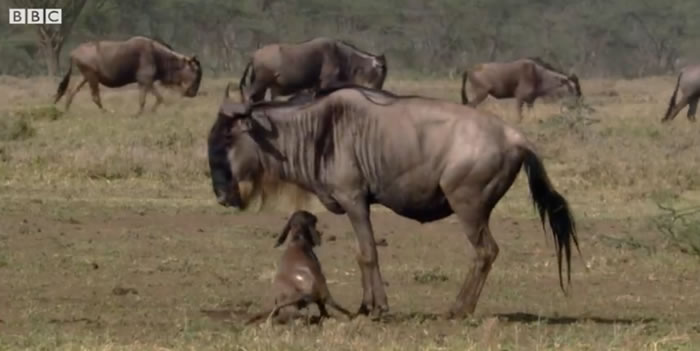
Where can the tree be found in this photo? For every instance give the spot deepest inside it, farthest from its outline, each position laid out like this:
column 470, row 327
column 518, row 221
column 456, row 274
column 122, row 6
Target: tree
column 53, row 36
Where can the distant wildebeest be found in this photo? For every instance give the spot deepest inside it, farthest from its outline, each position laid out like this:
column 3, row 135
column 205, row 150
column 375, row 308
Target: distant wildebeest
column 137, row 60
column 689, row 84
column 423, row 158
column 314, row 64
column 299, row 280
column 524, row 79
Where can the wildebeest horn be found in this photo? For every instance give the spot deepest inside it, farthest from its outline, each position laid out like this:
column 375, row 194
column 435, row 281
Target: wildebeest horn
column 226, row 92
column 231, row 109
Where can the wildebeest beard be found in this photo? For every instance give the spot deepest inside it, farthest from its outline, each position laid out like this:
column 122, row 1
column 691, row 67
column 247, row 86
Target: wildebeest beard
column 264, row 189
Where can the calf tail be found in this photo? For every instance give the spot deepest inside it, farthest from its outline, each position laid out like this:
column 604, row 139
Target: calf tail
column 63, row 86
column 672, row 102
column 550, row 203
column 257, row 317
column 465, row 76
column 241, row 83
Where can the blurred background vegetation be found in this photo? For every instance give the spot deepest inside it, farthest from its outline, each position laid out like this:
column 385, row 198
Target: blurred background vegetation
column 618, row 38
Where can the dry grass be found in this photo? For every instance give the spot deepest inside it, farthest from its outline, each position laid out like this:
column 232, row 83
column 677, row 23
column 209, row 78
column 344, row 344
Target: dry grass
column 131, row 196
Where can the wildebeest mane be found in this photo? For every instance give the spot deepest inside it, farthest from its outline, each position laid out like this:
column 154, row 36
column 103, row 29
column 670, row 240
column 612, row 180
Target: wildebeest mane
column 355, row 48
column 538, row 60
column 161, row 42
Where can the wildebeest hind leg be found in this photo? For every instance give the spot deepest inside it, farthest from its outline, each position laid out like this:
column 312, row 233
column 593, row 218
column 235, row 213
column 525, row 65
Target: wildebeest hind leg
column 692, row 107
column 95, row 91
column 71, row 94
column 677, row 109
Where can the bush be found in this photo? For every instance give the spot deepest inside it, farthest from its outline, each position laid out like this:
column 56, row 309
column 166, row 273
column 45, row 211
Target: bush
column 16, row 128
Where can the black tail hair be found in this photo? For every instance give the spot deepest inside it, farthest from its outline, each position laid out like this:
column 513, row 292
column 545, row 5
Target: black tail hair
column 465, row 99
column 63, row 86
column 550, row 203
column 672, row 102
column 241, row 83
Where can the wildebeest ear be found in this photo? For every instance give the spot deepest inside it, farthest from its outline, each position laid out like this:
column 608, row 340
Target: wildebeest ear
column 283, row 236
column 226, row 92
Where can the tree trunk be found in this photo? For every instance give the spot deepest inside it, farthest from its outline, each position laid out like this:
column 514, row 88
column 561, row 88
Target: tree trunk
column 51, row 55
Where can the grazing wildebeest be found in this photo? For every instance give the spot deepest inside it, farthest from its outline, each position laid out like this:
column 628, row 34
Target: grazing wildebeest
column 299, row 280
column 137, row 60
column 689, row 84
column 423, row 158
column 524, row 79
column 313, row 64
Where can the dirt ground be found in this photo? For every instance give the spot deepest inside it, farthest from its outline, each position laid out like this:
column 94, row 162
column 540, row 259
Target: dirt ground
column 101, row 253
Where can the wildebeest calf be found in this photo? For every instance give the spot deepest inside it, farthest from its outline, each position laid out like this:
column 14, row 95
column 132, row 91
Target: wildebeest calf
column 299, row 280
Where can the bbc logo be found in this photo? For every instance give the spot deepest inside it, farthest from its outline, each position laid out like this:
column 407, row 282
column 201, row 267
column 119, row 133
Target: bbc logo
column 36, row 16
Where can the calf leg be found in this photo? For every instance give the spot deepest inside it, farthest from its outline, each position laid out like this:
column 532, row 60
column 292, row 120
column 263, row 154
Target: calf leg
column 692, row 107
column 338, row 308
column 71, row 94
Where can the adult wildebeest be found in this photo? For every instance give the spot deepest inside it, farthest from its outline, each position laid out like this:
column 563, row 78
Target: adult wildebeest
column 299, row 280
column 689, row 84
column 423, row 158
column 313, row 64
column 524, row 79
column 137, row 60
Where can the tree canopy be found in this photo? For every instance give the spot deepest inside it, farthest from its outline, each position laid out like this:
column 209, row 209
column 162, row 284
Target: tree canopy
column 627, row 38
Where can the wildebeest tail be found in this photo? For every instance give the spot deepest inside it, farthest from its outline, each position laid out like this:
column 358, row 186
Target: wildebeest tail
column 465, row 75
column 241, row 83
column 672, row 102
column 551, row 204
column 63, row 86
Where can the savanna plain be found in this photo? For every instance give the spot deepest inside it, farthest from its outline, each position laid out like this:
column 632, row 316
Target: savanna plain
column 110, row 237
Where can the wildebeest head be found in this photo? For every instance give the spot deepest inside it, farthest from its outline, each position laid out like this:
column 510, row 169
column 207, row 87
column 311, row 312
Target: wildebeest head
column 574, row 85
column 190, row 75
column 182, row 73
column 302, row 224
column 233, row 152
column 369, row 71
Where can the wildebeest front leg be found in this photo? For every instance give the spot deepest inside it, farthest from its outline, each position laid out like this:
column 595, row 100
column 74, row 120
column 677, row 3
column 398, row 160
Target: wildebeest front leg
column 692, row 107
column 143, row 89
column 374, row 299
column 159, row 98
column 519, row 108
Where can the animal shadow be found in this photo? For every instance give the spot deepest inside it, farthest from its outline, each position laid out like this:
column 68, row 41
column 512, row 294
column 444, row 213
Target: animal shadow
column 523, row 317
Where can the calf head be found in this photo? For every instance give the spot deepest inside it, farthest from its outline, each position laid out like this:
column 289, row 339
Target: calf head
column 234, row 154
column 302, row 224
